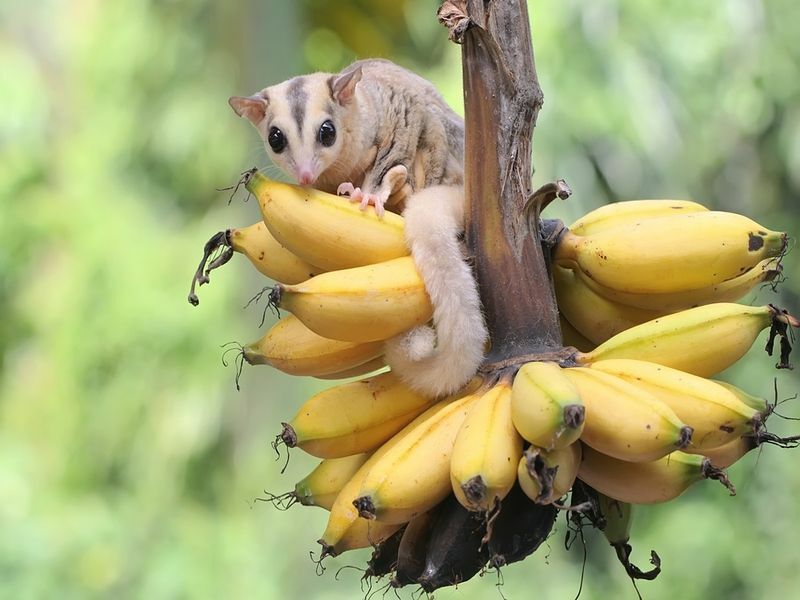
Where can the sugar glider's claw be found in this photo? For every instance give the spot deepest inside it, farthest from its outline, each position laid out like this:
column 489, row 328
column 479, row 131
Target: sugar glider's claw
column 345, row 189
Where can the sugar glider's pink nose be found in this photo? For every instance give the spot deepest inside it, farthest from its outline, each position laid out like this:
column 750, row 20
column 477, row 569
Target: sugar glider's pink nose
column 305, row 177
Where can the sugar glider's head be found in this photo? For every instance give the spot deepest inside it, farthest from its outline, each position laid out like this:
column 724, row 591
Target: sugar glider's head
column 302, row 120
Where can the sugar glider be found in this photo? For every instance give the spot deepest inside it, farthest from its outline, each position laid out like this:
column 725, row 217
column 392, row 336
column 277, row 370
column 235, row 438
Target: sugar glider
column 384, row 136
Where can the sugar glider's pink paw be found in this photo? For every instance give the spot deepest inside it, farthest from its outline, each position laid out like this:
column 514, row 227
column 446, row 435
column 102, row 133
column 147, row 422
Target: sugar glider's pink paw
column 377, row 200
column 348, row 189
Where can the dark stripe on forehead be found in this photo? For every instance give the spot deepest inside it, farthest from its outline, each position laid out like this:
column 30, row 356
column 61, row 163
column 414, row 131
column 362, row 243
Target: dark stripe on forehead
column 298, row 99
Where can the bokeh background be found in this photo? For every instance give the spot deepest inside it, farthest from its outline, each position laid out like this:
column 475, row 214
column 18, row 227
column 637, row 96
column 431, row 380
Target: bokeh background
column 130, row 465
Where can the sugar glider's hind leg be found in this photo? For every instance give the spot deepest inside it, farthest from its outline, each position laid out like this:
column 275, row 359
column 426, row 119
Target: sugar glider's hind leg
column 441, row 363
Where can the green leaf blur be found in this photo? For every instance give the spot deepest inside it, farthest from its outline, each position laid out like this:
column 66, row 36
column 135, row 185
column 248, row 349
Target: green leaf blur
column 130, row 467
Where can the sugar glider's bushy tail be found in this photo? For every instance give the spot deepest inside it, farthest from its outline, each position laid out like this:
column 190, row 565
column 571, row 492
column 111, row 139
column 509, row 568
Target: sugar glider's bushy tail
column 440, row 360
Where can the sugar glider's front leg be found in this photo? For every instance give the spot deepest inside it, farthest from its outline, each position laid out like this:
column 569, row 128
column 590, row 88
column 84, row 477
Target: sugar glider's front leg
column 393, row 184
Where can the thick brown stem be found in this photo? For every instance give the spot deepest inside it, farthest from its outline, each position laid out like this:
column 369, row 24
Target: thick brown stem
column 502, row 100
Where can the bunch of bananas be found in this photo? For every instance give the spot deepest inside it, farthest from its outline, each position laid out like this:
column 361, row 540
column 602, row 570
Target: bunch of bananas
column 443, row 487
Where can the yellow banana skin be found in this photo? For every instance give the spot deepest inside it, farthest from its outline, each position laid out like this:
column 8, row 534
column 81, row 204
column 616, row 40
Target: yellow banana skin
column 353, row 417
column 323, row 484
column 646, row 482
column 670, row 254
column 414, row 476
column 546, row 407
column 625, row 421
column 368, row 367
column 618, row 214
column 486, row 451
column 326, row 230
column 339, row 532
column 362, row 304
column 572, row 337
column 293, row 348
column 755, row 402
column 594, row 316
column 726, row 455
column 729, row 290
column 547, row 475
column 702, row 341
column 268, row 255
column 716, row 414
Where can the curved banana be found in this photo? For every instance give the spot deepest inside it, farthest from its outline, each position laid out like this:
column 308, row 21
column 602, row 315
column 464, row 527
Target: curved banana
column 716, row 414
column 414, row 476
column 546, row 407
column 594, row 316
column 486, row 451
column 268, row 255
column 364, row 369
column 729, row 290
column 646, row 482
column 293, row 348
column 573, row 337
column 324, row 229
column 345, row 529
column 353, row 417
column 323, row 484
column 726, row 455
column 624, row 420
column 671, row 254
column 618, row 214
column 754, row 402
column 362, row 304
column 702, row 341
column 547, row 475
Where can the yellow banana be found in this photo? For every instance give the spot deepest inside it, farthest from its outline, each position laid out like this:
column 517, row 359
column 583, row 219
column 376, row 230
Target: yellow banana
column 364, row 369
column 353, row 417
column 625, row 421
column 727, row 454
column 547, row 475
column 546, row 407
column 573, row 337
column 486, row 451
column 323, row 484
column 702, row 341
column 729, row 290
column 293, row 348
column 339, row 533
column 755, row 402
column 414, row 476
column 324, row 229
column 594, row 316
column 716, row 414
column 646, row 482
column 362, row 304
column 617, row 214
column 670, row 254
column 268, row 255
column 361, row 533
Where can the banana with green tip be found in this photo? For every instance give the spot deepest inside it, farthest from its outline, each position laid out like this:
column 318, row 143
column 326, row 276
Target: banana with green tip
column 623, row 214
column 323, row 484
column 546, row 407
column 647, row 482
column 353, row 417
column 486, row 451
column 671, row 254
column 624, row 420
column 362, row 304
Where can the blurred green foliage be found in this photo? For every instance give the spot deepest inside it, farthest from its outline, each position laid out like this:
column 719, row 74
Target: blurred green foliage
column 130, row 466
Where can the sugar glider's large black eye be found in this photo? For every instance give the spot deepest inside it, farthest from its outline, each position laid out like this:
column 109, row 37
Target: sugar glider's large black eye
column 327, row 133
column 276, row 139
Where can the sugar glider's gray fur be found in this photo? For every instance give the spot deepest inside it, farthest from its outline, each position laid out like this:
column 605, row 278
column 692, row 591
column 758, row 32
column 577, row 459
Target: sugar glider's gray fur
column 398, row 144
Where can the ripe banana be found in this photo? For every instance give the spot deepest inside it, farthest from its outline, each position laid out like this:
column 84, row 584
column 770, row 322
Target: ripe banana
column 703, row 340
column 726, row 455
column 344, row 515
column 729, row 290
column 755, row 402
column 716, row 414
column 364, row 369
column 326, row 230
column 670, row 254
column 268, row 255
column 323, row 484
column 624, row 420
column 572, row 337
column 414, row 476
column 353, row 417
column 618, row 214
column 293, row 348
column 547, row 475
column 362, row 304
column 594, row 316
column 546, row 407
column 646, row 482
column 486, row 451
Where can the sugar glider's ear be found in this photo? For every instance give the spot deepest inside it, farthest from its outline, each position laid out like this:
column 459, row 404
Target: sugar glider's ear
column 343, row 86
column 253, row 108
